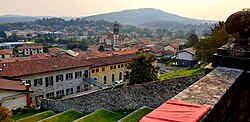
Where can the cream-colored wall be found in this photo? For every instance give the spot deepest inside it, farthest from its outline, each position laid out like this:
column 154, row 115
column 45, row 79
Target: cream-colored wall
column 61, row 85
column 15, row 102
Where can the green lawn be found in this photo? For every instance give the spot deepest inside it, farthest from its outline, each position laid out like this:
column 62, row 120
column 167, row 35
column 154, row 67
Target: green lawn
column 67, row 116
column 182, row 73
column 20, row 115
column 136, row 116
column 102, row 116
column 37, row 117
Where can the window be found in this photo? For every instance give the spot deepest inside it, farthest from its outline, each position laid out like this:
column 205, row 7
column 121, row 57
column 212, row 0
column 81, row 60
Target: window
column 103, row 69
column 69, row 91
column 59, row 78
column 38, row 81
column 119, row 66
column 120, row 76
column 78, row 74
column 28, row 82
column 49, row 81
column 69, row 76
column 78, row 89
column 86, row 74
column 93, row 70
column 114, row 67
column 111, row 67
column 86, row 87
column 60, row 93
column 96, row 70
column 105, row 79
column 113, row 78
column 50, row 95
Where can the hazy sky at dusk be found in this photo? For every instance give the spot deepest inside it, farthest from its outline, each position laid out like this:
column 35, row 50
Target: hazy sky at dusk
column 200, row 9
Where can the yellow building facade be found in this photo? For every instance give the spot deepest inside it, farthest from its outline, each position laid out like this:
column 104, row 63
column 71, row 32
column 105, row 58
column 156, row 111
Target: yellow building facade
column 109, row 74
column 110, row 70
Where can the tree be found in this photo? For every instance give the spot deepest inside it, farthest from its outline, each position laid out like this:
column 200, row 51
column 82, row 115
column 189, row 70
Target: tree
column 13, row 37
column 207, row 47
column 3, row 34
column 142, row 70
column 5, row 114
column 192, row 40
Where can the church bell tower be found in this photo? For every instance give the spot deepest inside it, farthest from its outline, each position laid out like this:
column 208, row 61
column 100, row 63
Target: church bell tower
column 116, row 28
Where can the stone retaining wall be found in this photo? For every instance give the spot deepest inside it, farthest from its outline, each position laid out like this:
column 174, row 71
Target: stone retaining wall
column 151, row 94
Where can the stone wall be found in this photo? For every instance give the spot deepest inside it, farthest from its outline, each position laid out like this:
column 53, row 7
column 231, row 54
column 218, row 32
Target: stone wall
column 234, row 106
column 151, row 94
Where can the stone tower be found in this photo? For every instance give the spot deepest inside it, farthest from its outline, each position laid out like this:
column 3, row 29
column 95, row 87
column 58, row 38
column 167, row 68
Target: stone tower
column 116, row 28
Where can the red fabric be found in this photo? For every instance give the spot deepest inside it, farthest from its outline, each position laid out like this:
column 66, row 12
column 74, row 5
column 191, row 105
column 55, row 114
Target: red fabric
column 176, row 111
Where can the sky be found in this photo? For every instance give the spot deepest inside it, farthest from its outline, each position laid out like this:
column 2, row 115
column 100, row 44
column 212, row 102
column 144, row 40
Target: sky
column 199, row 9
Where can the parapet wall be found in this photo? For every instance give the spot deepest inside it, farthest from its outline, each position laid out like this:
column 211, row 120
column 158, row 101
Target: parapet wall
column 151, row 94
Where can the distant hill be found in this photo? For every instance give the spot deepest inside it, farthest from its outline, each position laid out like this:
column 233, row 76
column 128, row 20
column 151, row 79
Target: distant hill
column 144, row 16
column 16, row 18
column 11, row 18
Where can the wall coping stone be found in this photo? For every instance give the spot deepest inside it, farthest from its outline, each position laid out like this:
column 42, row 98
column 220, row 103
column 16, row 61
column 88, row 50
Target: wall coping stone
column 210, row 89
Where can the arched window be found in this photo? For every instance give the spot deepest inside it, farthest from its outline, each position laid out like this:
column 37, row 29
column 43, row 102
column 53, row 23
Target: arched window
column 120, row 76
column 105, row 79
column 113, row 78
column 95, row 78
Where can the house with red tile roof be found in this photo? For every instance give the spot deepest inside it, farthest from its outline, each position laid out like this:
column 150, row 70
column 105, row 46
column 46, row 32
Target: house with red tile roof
column 50, row 77
column 29, row 50
column 173, row 47
column 5, row 53
column 14, row 94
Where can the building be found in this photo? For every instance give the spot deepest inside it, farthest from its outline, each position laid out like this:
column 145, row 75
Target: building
column 50, row 77
column 14, row 94
column 115, row 38
column 186, row 57
column 29, row 50
column 108, row 70
column 6, row 53
column 174, row 47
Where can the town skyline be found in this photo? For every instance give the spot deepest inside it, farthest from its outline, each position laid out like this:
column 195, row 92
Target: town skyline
column 210, row 10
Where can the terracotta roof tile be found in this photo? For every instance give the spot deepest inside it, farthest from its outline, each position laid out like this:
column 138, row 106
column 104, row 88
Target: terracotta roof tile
column 40, row 56
column 175, row 45
column 13, row 59
column 6, row 52
column 22, row 68
column 104, row 61
column 11, row 85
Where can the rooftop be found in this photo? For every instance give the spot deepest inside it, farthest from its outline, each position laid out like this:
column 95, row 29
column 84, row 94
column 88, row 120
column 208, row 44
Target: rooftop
column 189, row 50
column 22, row 68
column 6, row 52
column 30, row 47
column 103, row 61
column 11, row 85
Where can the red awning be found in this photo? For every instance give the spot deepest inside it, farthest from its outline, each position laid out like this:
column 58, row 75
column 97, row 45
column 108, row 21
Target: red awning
column 176, row 111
